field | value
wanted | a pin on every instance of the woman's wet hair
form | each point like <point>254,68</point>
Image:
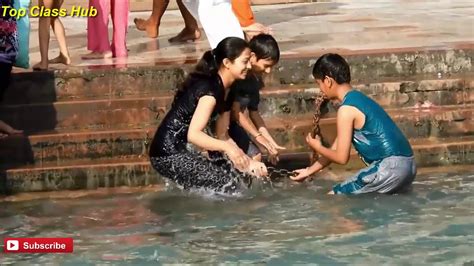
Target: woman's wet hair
<point>265,47</point>
<point>333,66</point>
<point>211,61</point>
<point>230,47</point>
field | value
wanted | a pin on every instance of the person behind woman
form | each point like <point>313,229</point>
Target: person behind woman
<point>200,99</point>
<point>97,29</point>
<point>241,9</point>
<point>43,32</point>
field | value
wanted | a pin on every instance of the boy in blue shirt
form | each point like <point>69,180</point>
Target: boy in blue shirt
<point>360,120</point>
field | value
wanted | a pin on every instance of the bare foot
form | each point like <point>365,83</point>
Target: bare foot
<point>186,35</point>
<point>140,24</point>
<point>61,59</point>
<point>150,27</point>
<point>97,55</point>
<point>41,66</point>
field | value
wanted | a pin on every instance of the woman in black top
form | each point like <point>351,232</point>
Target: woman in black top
<point>201,98</point>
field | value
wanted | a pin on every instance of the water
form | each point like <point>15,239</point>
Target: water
<point>288,223</point>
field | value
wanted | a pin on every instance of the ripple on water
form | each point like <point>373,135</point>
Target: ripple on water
<point>288,224</point>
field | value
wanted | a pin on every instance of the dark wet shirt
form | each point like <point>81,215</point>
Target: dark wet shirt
<point>246,92</point>
<point>171,135</point>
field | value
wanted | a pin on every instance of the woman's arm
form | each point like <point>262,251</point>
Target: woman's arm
<point>199,121</point>
<point>197,136</point>
<point>222,128</point>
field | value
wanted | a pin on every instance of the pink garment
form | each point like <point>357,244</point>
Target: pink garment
<point>97,27</point>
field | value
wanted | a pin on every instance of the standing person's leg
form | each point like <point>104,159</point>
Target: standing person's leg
<point>120,22</point>
<point>58,29</point>
<point>218,21</point>
<point>152,24</point>
<point>43,35</point>
<point>97,31</point>
<point>191,30</point>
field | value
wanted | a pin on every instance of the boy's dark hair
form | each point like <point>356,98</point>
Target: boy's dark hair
<point>265,47</point>
<point>333,66</point>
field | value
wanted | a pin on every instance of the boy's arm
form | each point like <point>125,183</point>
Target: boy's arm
<point>317,166</point>
<point>260,124</point>
<point>248,125</point>
<point>345,127</point>
<point>243,120</point>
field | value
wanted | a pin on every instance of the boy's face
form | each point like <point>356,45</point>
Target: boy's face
<point>261,65</point>
<point>325,85</point>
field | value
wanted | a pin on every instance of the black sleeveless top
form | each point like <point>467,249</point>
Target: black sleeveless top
<point>171,135</point>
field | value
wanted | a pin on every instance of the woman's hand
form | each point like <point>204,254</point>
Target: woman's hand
<point>240,160</point>
<point>257,169</point>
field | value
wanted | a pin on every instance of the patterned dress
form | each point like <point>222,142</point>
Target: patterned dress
<point>8,35</point>
<point>171,156</point>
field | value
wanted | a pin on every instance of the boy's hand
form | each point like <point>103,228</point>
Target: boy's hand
<point>276,146</point>
<point>265,143</point>
<point>315,142</point>
<point>302,174</point>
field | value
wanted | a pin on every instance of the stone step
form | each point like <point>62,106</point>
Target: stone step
<point>136,171</point>
<point>62,146</point>
<point>90,114</point>
<point>296,100</point>
<point>26,89</point>
<point>293,69</point>
<point>145,111</point>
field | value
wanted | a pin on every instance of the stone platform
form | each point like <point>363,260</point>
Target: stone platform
<point>305,29</point>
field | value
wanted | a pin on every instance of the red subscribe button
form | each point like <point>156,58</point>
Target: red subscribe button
<point>38,245</point>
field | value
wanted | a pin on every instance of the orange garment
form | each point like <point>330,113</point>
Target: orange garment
<point>243,12</point>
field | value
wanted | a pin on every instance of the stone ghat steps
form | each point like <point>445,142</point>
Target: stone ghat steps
<point>30,91</point>
<point>87,115</point>
<point>147,111</point>
<point>60,147</point>
<point>78,83</point>
<point>136,170</point>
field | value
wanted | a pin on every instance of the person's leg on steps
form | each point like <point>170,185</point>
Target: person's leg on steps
<point>58,29</point>
<point>120,10</point>
<point>43,35</point>
<point>191,30</point>
<point>152,24</point>
<point>97,31</point>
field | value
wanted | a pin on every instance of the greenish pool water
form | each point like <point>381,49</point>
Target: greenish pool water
<point>285,224</point>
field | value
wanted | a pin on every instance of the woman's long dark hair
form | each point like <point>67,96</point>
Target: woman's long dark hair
<point>210,62</point>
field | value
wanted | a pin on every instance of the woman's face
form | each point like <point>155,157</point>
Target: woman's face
<point>241,65</point>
